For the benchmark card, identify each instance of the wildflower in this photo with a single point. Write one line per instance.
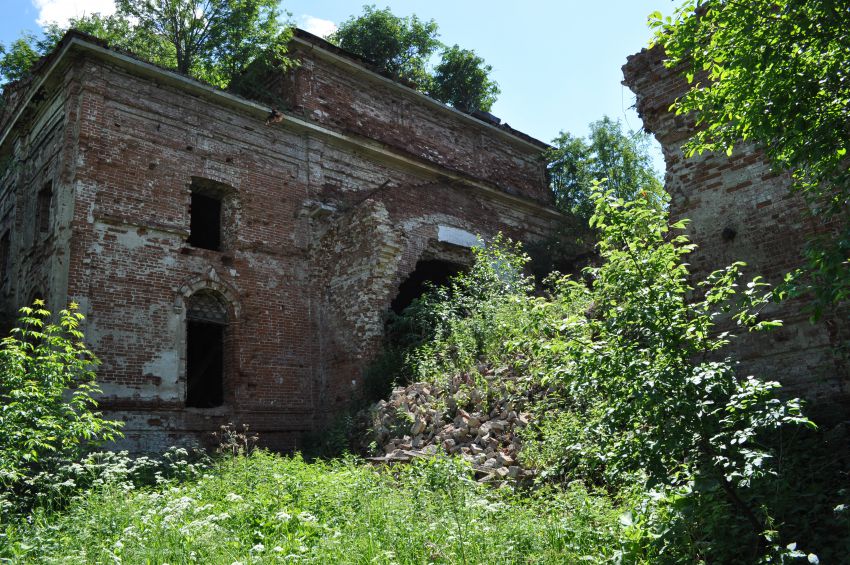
(283, 516)
(259, 548)
(233, 497)
(306, 517)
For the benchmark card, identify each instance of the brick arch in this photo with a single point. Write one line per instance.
(229, 375)
(210, 283)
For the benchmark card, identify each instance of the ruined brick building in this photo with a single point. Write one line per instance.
(741, 210)
(235, 265)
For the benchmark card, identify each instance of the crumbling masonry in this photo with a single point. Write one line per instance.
(234, 263)
(740, 210)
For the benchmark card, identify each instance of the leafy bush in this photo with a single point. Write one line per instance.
(47, 409)
(632, 391)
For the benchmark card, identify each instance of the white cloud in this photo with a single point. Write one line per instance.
(60, 11)
(316, 26)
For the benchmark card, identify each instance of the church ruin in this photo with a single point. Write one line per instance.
(235, 261)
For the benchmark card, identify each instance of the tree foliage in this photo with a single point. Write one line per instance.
(402, 48)
(116, 30)
(775, 73)
(607, 153)
(19, 57)
(462, 79)
(47, 383)
(213, 40)
(209, 39)
(398, 46)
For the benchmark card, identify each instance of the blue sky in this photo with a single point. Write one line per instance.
(557, 62)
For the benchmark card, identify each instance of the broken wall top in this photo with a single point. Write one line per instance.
(338, 90)
(656, 88)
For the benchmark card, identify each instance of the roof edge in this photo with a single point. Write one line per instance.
(338, 54)
(77, 41)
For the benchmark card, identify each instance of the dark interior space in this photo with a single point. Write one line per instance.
(432, 271)
(204, 364)
(42, 211)
(4, 256)
(205, 222)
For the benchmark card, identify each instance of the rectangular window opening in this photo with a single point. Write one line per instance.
(204, 364)
(205, 222)
(4, 256)
(42, 210)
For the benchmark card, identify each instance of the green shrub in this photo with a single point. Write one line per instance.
(628, 375)
(47, 409)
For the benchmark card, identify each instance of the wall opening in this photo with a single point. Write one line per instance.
(206, 324)
(205, 221)
(437, 272)
(42, 208)
(5, 241)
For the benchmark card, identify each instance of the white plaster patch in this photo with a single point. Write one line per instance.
(457, 236)
(131, 240)
(164, 365)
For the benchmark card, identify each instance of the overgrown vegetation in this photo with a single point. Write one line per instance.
(775, 73)
(266, 508)
(632, 392)
(402, 48)
(47, 409)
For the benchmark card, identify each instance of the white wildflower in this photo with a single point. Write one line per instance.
(306, 517)
(233, 497)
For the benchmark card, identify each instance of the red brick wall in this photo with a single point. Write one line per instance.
(742, 194)
(320, 235)
(330, 92)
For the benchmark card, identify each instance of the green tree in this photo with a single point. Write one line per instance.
(462, 79)
(116, 30)
(213, 40)
(398, 46)
(47, 383)
(209, 39)
(775, 73)
(19, 57)
(607, 153)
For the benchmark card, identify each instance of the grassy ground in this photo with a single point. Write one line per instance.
(268, 509)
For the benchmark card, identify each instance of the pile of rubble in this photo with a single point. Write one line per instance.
(421, 419)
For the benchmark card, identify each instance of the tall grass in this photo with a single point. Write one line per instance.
(267, 508)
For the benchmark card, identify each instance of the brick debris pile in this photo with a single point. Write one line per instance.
(480, 424)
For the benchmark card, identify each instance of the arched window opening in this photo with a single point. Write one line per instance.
(434, 271)
(206, 321)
